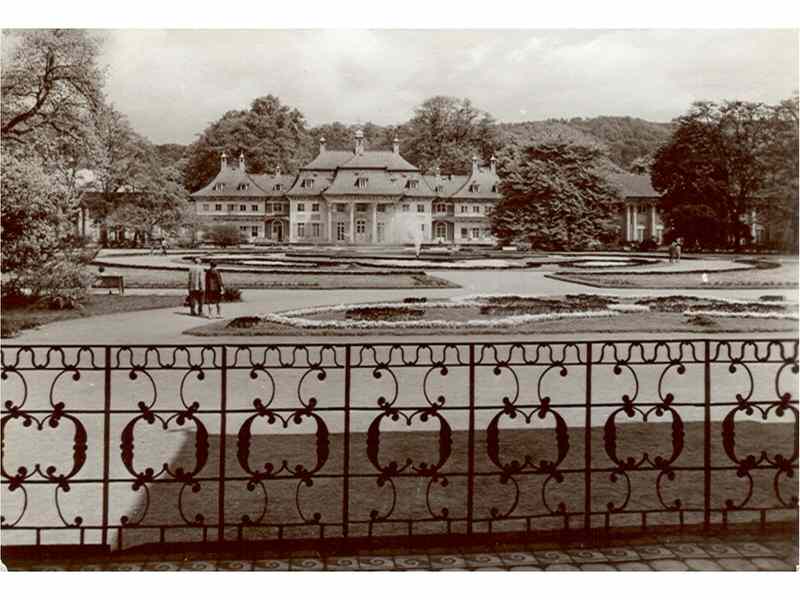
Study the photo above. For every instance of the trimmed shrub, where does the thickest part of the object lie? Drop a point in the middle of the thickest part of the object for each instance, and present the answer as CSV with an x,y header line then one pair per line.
x,y
232,294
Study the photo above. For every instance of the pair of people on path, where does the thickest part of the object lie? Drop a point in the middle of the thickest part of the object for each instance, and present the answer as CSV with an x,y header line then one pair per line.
x,y
205,287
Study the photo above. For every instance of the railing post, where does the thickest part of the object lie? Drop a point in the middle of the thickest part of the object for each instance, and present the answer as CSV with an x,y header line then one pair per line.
x,y
346,449
707,437
587,445
106,442
471,442
222,434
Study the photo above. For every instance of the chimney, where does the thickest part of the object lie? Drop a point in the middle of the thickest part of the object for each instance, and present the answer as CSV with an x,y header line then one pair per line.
x,y
322,144
396,145
277,170
241,162
359,142
436,170
224,161
493,164
474,165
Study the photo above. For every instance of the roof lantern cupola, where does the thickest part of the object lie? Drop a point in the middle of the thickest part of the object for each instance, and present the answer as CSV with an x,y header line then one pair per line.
x,y
241,162
224,161
396,145
322,144
359,142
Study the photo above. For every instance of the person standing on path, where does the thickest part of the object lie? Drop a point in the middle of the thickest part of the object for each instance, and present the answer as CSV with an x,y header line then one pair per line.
x,y
673,251
196,288
214,289
678,250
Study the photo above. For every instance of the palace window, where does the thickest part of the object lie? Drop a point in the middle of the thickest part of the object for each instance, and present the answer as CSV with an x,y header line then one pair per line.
x,y
487,209
411,184
494,188
361,182
315,230
420,208
254,207
464,233
315,207
231,207
307,183
441,208
474,187
301,230
218,207
361,207
476,233
422,227
254,230
406,208
340,207
340,231
301,207
205,207
242,207
441,230
361,226
476,208
464,208
243,229
380,232
380,208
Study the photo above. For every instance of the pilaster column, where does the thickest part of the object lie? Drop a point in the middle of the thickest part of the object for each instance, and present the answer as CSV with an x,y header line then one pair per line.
x,y
291,224
628,223
352,222
635,229
653,221
374,222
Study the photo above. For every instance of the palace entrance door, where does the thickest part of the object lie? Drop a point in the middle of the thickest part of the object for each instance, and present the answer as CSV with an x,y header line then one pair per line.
x,y
277,231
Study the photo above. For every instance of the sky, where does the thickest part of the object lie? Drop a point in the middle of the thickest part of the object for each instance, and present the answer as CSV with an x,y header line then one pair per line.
x,y
172,83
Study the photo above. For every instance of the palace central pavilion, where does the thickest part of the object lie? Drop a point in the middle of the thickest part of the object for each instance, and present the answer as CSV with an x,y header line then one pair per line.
x,y
373,197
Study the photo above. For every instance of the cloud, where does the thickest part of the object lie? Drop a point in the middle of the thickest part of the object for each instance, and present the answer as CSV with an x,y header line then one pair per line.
x,y
172,83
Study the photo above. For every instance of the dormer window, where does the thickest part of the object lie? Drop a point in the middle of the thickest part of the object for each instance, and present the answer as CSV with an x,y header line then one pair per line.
x,y
438,189
411,184
242,186
494,188
361,182
219,187
307,183
474,187
277,187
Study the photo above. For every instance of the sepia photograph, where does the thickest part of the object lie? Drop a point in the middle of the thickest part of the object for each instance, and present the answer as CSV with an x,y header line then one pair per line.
x,y
351,297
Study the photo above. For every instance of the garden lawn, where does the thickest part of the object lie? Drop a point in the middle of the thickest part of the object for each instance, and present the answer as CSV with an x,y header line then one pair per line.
x,y
783,277
169,279
14,319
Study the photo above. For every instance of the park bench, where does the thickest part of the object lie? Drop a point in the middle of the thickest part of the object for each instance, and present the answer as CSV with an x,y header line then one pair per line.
x,y
110,282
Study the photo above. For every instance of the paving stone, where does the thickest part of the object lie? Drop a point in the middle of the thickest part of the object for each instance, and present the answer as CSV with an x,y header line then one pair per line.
x,y
620,554
633,566
687,551
483,560
752,549
736,564
771,564
198,565
703,564
272,564
597,567
513,559
376,563
668,564
525,568
584,556
720,550
306,564
125,566
654,552
162,566
342,563
448,561
562,567
417,561
552,556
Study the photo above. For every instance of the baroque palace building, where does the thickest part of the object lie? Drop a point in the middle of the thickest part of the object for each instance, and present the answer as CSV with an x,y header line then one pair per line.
x,y
371,197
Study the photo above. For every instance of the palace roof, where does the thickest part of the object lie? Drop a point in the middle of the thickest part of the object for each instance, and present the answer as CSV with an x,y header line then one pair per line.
x,y
231,181
481,184
274,185
448,184
633,185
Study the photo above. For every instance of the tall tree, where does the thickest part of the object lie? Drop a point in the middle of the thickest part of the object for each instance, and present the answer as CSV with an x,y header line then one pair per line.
x,y
715,161
269,133
555,196
447,132
50,80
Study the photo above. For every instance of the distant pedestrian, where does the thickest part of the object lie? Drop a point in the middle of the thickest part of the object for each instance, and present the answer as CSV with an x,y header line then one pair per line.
x,y
196,288
673,251
163,246
214,288
678,251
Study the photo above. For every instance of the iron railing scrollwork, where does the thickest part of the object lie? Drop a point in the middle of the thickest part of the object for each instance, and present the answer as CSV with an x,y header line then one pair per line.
x,y
123,445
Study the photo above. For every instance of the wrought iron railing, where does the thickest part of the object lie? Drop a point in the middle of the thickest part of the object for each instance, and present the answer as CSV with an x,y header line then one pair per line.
x,y
126,445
